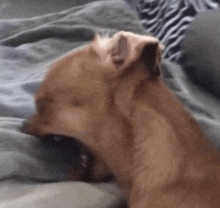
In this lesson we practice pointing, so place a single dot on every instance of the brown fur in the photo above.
(110, 97)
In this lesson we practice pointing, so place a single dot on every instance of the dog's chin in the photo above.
(86, 167)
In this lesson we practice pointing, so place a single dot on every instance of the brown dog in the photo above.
(109, 96)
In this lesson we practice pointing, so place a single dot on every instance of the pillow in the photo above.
(201, 52)
(169, 20)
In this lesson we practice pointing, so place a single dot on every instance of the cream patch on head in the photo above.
(102, 46)
(102, 42)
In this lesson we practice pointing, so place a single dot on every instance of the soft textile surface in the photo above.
(169, 20)
(201, 52)
(32, 171)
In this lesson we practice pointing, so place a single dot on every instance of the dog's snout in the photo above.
(25, 122)
(28, 127)
(24, 127)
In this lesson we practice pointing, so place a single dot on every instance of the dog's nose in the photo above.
(27, 128)
(25, 122)
(24, 126)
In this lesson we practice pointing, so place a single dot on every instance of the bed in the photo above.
(33, 172)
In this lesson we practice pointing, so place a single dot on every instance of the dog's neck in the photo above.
(169, 149)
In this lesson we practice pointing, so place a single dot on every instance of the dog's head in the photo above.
(88, 95)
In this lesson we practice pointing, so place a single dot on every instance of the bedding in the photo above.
(169, 20)
(33, 172)
(201, 52)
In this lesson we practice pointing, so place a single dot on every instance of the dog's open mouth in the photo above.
(83, 164)
(75, 153)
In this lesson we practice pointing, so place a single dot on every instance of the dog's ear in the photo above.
(130, 49)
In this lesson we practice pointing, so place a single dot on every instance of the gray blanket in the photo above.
(32, 171)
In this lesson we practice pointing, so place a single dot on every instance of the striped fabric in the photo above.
(169, 20)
